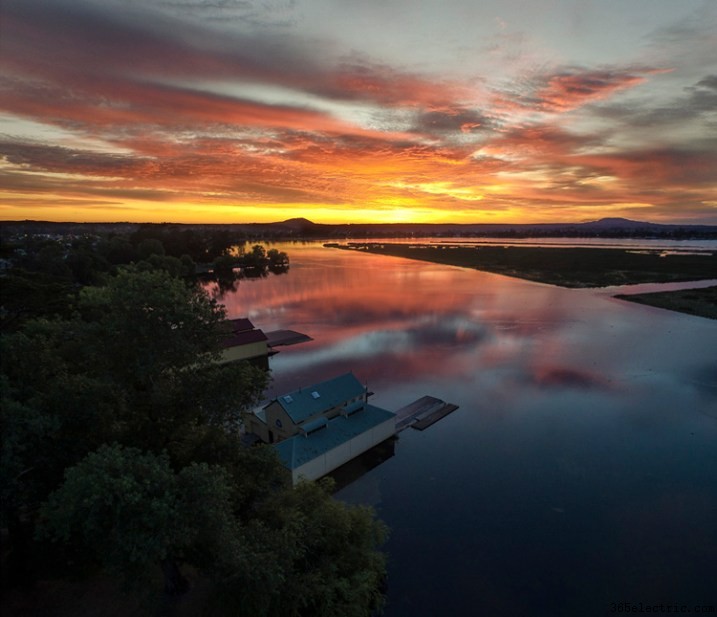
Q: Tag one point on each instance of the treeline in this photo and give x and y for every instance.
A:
(42, 274)
(121, 457)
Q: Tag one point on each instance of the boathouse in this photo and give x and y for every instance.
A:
(320, 427)
(244, 342)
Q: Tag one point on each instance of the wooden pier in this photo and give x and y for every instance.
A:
(422, 413)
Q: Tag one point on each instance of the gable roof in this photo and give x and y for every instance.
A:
(242, 333)
(305, 402)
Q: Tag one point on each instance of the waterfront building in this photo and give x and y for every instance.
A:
(244, 342)
(318, 428)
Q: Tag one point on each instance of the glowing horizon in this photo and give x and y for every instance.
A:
(462, 112)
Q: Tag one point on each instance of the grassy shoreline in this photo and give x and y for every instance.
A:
(577, 268)
(701, 302)
(565, 267)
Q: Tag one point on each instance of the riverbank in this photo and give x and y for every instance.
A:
(564, 267)
(700, 302)
(563, 394)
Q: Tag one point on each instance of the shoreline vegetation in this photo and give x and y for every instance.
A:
(565, 267)
(701, 302)
(302, 229)
(125, 482)
(576, 268)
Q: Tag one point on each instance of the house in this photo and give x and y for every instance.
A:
(319, 428)
(244, 342)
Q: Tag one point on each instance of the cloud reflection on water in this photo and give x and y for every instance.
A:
(583, 451)
(398, 323)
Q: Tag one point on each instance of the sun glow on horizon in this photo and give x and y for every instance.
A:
(193, 213)
(188, 117)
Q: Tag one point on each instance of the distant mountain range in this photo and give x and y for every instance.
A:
(304, 228)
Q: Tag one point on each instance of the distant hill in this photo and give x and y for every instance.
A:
(297, 222)
(620, 223)
(303, 228)
(615, 222)
(606, 227)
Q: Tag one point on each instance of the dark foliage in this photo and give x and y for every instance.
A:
(121, 452)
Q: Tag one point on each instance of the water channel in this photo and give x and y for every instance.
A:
(580, 471)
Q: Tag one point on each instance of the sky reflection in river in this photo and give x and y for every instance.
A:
(581, 467)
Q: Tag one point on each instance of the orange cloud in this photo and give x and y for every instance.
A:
(296, 128)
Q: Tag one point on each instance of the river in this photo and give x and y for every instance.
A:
(580, 471)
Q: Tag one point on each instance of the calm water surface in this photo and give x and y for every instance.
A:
(581, 468)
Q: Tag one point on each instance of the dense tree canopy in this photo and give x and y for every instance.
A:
(121, 451)
(47, 273)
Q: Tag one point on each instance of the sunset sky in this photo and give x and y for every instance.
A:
(358, 110)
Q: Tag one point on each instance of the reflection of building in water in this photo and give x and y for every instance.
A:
(363, 463)
(319, 428)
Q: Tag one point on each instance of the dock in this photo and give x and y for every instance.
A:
(423, 413)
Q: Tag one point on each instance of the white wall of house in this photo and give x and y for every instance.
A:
(244, 352)
(332, 459)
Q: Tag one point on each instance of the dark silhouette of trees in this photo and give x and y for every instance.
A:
(121, 453)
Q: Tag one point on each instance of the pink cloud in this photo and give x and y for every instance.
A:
(570, 90)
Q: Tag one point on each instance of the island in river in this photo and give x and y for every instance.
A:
(577, 267)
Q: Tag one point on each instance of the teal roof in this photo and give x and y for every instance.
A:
(312, 400)
(300, 449)
(314, 425)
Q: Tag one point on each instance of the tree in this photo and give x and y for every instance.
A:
(133, 513)
(118, 251)
(87, 265)
(189, 268)
(277, 257)
(256, 258)
(160, 340)
(339, 570)
(150, 246)
(53, 411)
(300, 554)
(26, 295)
(224, 265)
(122, 421)
(317, 557)
(278, 261)
(135, 366)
